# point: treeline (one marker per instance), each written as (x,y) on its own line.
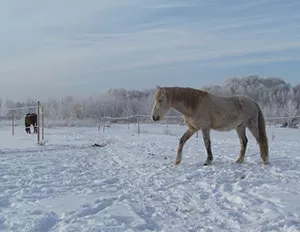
(276,97)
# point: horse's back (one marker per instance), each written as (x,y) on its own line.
(229,112)
(249,107)
(31,118)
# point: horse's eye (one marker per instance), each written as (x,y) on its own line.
(159,101)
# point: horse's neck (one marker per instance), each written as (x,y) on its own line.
(176,102)
(180,107)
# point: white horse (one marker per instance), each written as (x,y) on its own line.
(204,111)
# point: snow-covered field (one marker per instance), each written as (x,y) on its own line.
(130,184)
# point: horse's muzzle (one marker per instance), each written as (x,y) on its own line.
(155,118)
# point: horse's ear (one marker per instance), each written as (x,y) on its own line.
(158,87)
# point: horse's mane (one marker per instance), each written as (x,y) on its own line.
(189,96)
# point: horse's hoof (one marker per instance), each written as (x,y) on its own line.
(207,162)
(239,161)
(177,162)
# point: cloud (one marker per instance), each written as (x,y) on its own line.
(51,42)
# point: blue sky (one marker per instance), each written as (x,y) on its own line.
(82,48)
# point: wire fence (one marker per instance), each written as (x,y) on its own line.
(17,115)
(36,121)
(286,121)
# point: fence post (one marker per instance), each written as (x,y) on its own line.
(128,122)
(13,123)
(138,123)
(38,122)
(42,112)
(99,123)
(104,119)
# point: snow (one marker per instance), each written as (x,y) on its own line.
(131,184)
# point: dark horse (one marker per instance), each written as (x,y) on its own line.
(31,119)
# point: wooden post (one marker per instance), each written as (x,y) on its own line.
(42,112)
(167,125)
(128,122)
(99,124)
(38,122)
(13,124)
(104,119)
(138,123)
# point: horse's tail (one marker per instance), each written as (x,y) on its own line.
(263,139)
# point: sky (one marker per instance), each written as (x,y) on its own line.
(83,48)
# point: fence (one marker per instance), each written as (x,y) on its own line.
(138,120)
(18,113)
(285,121)
(288,121)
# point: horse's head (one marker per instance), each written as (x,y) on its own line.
(160,104)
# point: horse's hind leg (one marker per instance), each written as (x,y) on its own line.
(27,128)
(207,143)
(253,127)
(241,131)
(189,133)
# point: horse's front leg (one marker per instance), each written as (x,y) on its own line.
(189,133)
(207,143)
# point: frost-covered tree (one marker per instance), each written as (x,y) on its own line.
(291,108)
(276,97)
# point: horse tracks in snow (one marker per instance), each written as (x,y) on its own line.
(131,184)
